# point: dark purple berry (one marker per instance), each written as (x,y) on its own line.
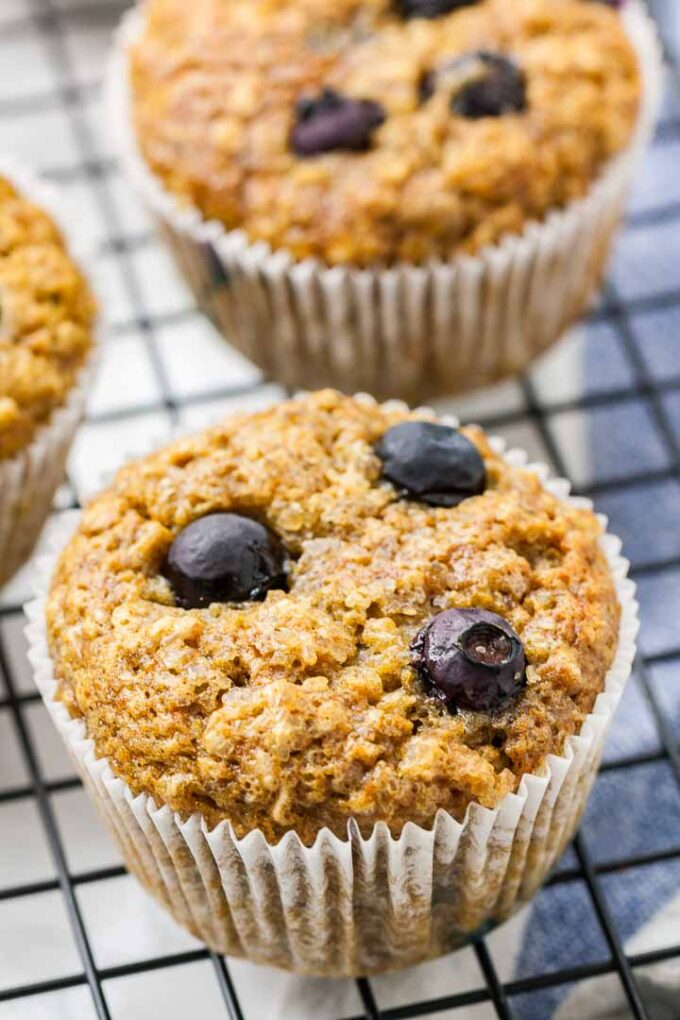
(480,84)
(331,121)
(470,659)
(224,558)
(429,8)
(435,464)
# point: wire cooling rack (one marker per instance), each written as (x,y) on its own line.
(78,938)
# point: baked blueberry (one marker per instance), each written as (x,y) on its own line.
(429,8)
(332,121)
(433,463)
(480,85)
(224,557)
(470,659)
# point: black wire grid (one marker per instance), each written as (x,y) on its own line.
(49,25)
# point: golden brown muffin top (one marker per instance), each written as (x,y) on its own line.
(215,85)
(46,320)
(304,710)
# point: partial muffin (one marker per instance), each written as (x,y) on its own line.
(336,619)
(367,134)
(358,132)
(46,337)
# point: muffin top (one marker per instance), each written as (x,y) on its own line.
(369,131)
(390,647)
(46,320)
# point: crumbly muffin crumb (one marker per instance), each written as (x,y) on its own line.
(215,86)
(47,315)
(303,710)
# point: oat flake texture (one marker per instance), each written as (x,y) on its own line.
(47,319)
(303,711)
(47,339)
(215,85)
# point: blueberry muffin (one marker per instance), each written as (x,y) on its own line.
(338,675)
(364,131)
(46,337)
(331,611)
(403,197)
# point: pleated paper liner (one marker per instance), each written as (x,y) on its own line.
(409,331)
(356,905)
(29,480)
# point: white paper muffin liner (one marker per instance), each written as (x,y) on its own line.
(357,905)
(407,331)
(29,480)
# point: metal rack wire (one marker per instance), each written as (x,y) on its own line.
(49,22)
